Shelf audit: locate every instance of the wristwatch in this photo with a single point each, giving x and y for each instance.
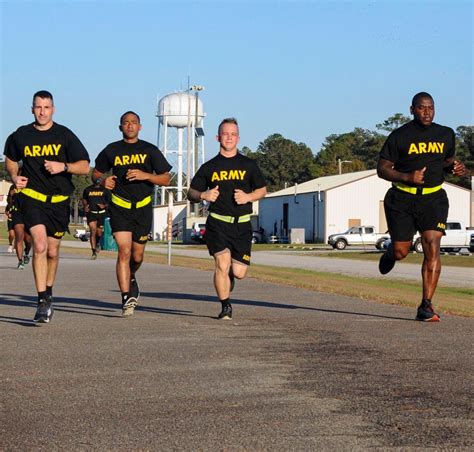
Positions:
(66, 168)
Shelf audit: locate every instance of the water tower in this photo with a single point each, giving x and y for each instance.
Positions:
(181, 137)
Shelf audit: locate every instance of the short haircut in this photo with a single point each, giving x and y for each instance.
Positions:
(128, 113)
(44, 95)
(419, 96)
(227, 121)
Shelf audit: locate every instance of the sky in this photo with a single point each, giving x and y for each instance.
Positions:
(304, 69)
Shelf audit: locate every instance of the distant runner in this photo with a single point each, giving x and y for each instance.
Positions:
(95, 199)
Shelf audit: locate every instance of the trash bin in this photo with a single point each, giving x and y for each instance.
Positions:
(107, 241)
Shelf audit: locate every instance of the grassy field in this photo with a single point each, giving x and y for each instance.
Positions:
(459, 301)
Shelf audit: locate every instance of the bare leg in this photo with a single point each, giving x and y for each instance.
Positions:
(40, 259)
(221, 274)
(93, 234)
(431, 268)
(124, 243)
(53, 260)
(19, 238)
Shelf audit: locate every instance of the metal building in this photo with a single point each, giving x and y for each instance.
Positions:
(332, 204)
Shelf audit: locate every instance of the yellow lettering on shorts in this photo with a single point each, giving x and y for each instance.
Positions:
(441, 226)
(58, 234)
(143, 238)
(246, 257)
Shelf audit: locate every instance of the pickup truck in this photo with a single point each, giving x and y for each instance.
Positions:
(457, 237)
(358, 235)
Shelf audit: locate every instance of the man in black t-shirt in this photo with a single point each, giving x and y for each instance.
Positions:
(50, 154)
(94, 201)
(415, 158)
(16, 227)
(137, 166)
(230, 182)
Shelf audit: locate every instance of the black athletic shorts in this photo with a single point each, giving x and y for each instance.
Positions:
(407, 213)
(55, 216)
(136, 221)
(10, 224)
(236, 237)
(99, 217)
(17, 217)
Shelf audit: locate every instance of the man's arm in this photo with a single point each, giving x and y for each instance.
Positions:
(208, 195)
(156, 179)
(386, 171)
(453, 166)
(243, 198)
(12, 169)
(107, 182)
(81, 167)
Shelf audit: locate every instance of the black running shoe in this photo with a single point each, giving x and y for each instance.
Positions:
(128, 307)
(226, 313)
(134, 289)
(425, 313)
(232, 281)
(94, 256)
(26, 259)
(386, 263)
(44, 311)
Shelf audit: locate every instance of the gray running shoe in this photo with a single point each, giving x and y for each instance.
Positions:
(26, 259)
(44, 311)
(20, 265)
(128, 307)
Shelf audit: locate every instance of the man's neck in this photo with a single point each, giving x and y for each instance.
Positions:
(43, 128)
(228, 154)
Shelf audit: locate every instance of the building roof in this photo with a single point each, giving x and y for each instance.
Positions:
(324, 183)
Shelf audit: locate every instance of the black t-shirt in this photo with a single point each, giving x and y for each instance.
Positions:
(229, 173)
(33, 147)
(95, 195)
(121, 156)
(413, 146)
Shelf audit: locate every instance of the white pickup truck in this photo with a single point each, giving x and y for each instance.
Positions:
(358, 235)
(457, 237)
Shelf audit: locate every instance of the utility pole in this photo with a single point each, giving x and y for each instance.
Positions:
(340, 162)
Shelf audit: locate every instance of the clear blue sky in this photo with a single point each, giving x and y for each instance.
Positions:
(305, 69)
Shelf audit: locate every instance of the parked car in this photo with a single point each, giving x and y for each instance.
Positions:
(197, 232)
(82, 235)
(358, 235)
(457, 237)
(258, 237)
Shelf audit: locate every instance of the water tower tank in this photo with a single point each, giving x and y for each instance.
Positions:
(178, 107)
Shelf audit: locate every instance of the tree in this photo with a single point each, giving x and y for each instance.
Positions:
(361, 147)
(394, 122)
(283, 161)
(465, 154)
(80, 183)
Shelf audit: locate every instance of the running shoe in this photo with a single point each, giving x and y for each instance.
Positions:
(26, 259)
(128, 307)
(44, 311)
(134, 289)
(386, 263)
(94, 256)
(20, 265)
(425, 312)
(232, 281)
(10, 249)
(226, 313)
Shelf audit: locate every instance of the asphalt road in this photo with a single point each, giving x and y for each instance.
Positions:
(294, 369)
